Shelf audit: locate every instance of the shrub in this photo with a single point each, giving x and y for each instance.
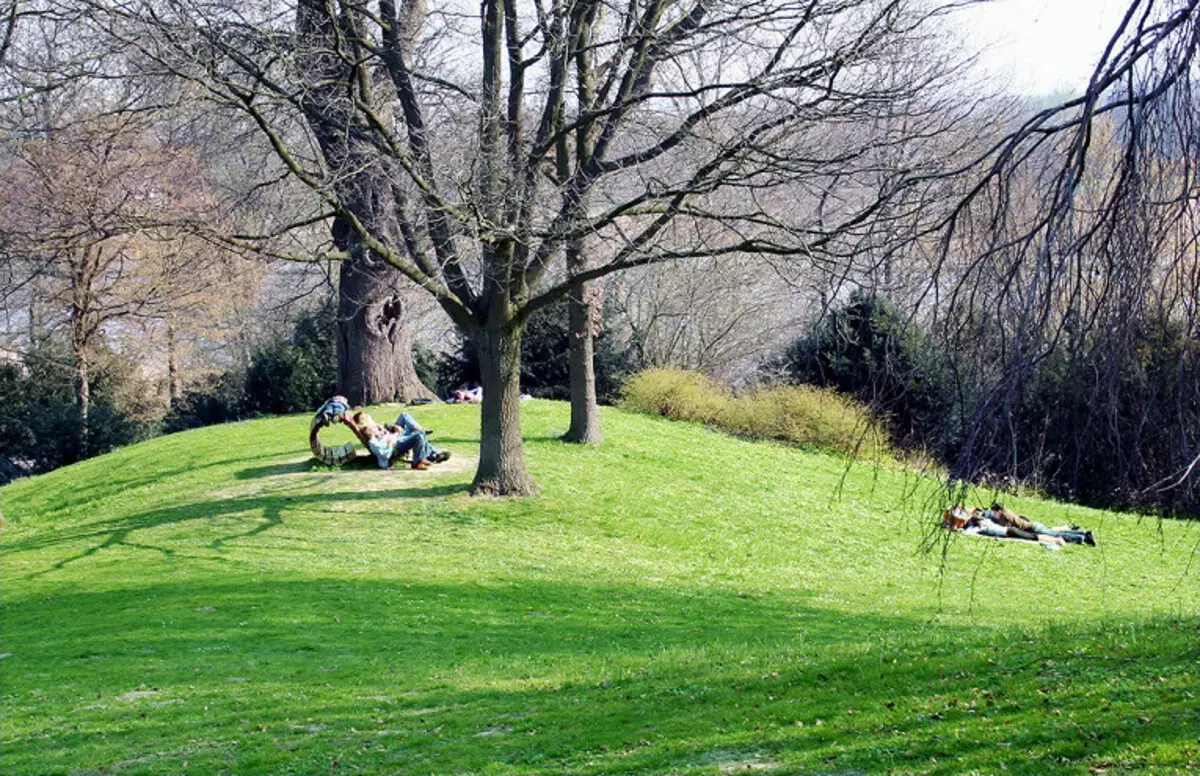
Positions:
(40, 427)
(1111, 425)
(802, 415)
(214, 398)
(298, 373)
(675, 394)
(1109, 419)
(425, 362)
(872, 351)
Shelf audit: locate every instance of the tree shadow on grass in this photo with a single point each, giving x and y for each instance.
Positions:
(306, 466)
(127, 479)
(268, 510)
(360, 463)
(552, 677)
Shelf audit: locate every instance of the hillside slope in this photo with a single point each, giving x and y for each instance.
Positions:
(675, 601)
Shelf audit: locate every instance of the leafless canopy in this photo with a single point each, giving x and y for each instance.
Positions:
(1078, 242)
(510, 131)
(665, 129)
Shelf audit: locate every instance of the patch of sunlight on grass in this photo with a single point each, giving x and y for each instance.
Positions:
(676, 601)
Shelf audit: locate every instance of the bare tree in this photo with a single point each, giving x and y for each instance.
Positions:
(518, 138)
(721, 318)
(374, 347)
(1078, 242)
(81, 215)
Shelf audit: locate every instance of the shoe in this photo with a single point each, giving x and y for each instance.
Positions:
(441, 456)
(1089, 540)
(420, 466)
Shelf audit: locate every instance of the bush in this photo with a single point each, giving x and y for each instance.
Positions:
(803, 415)
(675, 394)
(215, 398)
(40, 425)
(1108, 420)
(425, 361)
(293, 373)
(870, 350)
(1105, 427)
(297, 373)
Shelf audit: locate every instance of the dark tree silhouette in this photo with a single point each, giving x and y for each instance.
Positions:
(1077, 244)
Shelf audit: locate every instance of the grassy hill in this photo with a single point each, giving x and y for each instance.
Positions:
(676, 602)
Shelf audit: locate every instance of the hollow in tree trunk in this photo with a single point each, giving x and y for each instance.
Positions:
(501, 469)
(374, 346)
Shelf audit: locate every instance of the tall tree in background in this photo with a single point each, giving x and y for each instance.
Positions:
(628, 132)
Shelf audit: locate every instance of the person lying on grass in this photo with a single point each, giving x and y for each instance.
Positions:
(471, 393)
(393, 440)
(997, 521)
(1009, 518)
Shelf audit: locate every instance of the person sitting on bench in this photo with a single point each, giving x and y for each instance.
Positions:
(391, 441)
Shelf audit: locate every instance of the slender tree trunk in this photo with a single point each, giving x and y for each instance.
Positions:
(174, 381)
(82, 271)
(83, 390)
(583, 314)
(501, 469)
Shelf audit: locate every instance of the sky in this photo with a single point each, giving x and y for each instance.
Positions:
(1040, 47)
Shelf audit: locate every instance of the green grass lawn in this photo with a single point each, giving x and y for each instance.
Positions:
(675, 602)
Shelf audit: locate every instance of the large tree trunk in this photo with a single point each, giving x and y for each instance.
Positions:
(583, 316)
(374, 347)
(501, 469)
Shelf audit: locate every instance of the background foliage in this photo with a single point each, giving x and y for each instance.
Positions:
(1087, 422)
(40, 428)
(544, 365)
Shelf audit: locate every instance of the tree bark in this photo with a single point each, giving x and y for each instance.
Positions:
(583, 315)
(374, 347)
(83, 390)
(82, 272)
(174, 381)
(501, 469)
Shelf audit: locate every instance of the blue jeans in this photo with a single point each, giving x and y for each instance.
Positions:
(1075, 537)
(412, 437)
